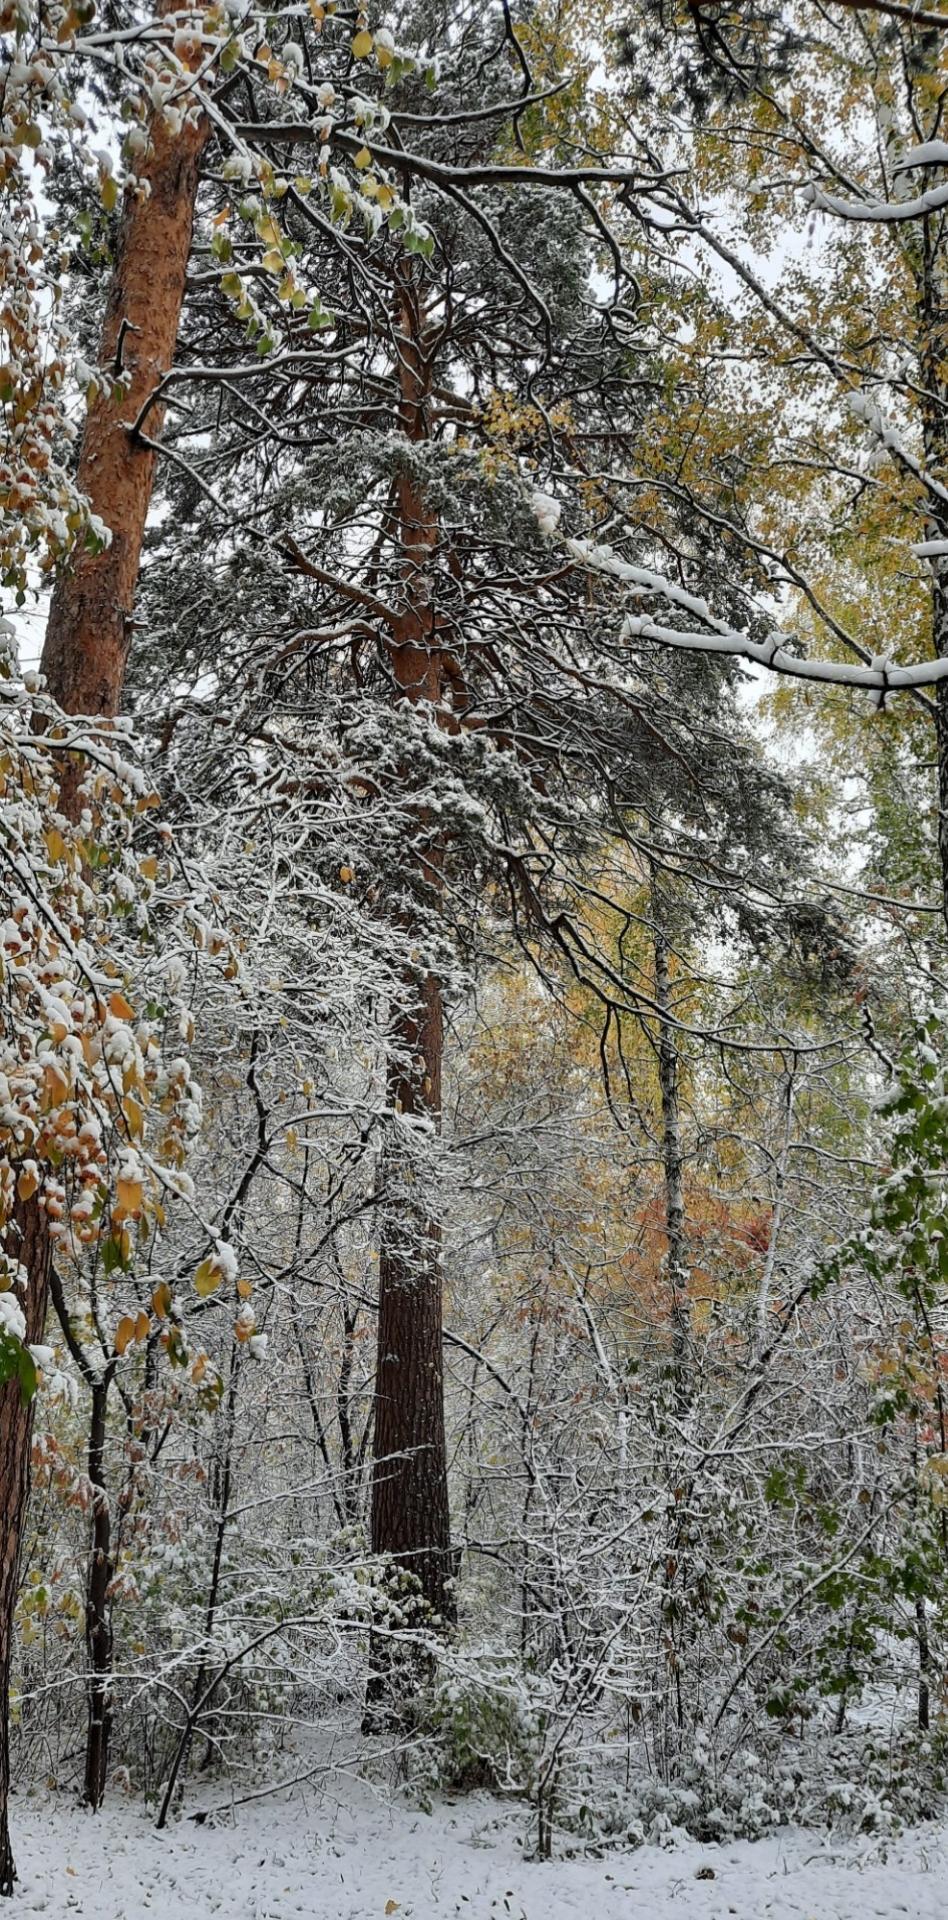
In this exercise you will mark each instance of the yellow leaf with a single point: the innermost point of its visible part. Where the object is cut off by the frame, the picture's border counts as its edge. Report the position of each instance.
(124, 1334)
(346, 875)
(391, 1906)
(119, 1006)
(363, 158)
(148, 868)
(199, 1368)
(244, 1289)
(142, 1325)
(55, 844)
(161, 1300)
(207, 1278)
(27, 1184)
(362, 44)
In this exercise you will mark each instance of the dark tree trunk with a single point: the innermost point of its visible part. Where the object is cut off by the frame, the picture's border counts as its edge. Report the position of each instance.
(668, 1074)
(98, 1612)
(201, 1695)
(100, 1566)
(410, 1515)
(941, 726)
(924, 1665)
(16, 1430)
(931, 288)
(351, 1463)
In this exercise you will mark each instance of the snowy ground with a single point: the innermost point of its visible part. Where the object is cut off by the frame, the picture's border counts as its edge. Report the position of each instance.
(348, 1854)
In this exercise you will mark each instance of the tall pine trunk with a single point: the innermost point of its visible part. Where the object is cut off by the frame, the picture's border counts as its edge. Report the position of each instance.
(673, 1161)
(929, 259)
(410, 1508)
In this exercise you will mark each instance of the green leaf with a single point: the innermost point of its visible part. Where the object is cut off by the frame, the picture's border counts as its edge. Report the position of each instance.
(26, 1374)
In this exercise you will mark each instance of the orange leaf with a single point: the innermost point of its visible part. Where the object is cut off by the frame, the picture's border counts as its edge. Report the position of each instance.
(129, 1194)
(124, 1334)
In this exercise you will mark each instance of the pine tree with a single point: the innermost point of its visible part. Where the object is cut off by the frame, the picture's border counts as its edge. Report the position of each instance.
(388, 613)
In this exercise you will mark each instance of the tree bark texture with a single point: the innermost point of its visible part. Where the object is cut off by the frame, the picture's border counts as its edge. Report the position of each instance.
(410, 1508)
(673, 1157)
(930, 266)
(90, 622)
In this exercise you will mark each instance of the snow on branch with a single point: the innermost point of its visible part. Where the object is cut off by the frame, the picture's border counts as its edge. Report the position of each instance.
(884, 212)
(880, 676)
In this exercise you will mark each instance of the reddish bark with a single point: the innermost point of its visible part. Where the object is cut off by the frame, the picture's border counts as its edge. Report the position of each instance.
(410, 1510)
(90, 622)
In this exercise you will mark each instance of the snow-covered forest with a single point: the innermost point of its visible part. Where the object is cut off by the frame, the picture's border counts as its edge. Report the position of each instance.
(474, 852)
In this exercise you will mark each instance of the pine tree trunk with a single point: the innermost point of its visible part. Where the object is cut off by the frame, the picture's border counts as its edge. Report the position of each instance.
(410, 1507)
(677, 1263)
(90, 622)
(16, 1430)
(931, 287)
(940, 624)
(410, 1515)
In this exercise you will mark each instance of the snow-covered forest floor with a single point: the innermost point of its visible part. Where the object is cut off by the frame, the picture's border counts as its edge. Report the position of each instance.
(349, 1853)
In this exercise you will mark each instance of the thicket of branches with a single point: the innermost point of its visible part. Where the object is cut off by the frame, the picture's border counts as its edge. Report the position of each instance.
(472, 1105)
